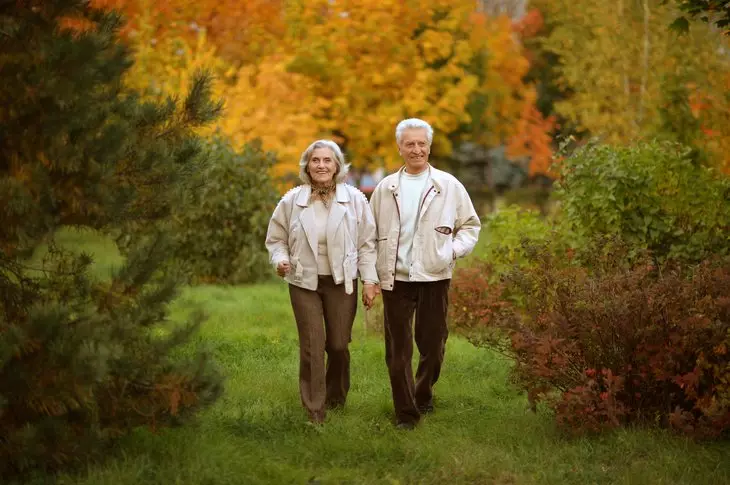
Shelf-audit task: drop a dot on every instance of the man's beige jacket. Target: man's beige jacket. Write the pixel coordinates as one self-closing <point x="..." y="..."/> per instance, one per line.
<point x="292" y="236"/>
<point x="447" y="227"/>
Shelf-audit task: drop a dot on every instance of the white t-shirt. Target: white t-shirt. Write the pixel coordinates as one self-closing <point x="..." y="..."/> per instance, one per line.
<point x="411" y="189"/>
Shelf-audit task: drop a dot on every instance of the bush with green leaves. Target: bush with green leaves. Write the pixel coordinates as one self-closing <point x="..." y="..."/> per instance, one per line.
<point x="651" y="195"/>
<point x="506" y="232"/>
<point x="505" y="238"/>
<point x="222" y="235"/>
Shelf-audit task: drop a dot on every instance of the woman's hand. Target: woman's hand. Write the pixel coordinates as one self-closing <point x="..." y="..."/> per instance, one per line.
<point x="283" y="268"/>
<point x="369" y="292"/>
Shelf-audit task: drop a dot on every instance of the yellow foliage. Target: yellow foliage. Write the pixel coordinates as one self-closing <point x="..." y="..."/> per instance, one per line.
<point x="166" y="66"/>
<point x="615" y="58"/>
<point x="275" y="106"/>
<point x="350" y="70"/>
<point x="362" y="57"/>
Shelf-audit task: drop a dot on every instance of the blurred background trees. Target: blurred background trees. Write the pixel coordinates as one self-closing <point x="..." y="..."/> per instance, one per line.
<point x="500" y="80"/>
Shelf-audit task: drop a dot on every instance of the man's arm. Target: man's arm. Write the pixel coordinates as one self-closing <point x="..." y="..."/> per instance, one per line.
<point x="375" y="206"/>
<point x="466" y="226"/>
<point x="366" y="248"/>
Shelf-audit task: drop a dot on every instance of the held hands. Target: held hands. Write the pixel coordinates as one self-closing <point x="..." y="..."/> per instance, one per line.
<point x="369" y="292"/>
<point x="283" y="268"/>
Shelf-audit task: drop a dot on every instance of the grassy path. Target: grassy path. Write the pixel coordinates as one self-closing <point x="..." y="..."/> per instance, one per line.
<point x="481" y="433"/>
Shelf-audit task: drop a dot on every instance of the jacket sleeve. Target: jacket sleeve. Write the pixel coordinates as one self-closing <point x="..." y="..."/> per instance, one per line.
<point x="467" y="225"/>
<point x="366" y="248"/>
<point x="277" y="236"/>
<point x="375" y="207"/>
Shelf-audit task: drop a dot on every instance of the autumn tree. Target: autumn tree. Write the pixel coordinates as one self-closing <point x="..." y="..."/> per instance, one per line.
<point x="240" y="31"/>
<point x="619" y="67"/>
<point x="85" y="360"/>
<point x="352" y="70"/>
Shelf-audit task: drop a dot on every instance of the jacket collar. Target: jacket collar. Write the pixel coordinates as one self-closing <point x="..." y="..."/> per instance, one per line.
<point x="341" y="194"/>
<point x="434" y="174"/>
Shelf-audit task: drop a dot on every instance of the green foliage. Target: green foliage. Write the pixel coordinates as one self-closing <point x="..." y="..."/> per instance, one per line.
<point x="221" y="235"/>
<point x="83" y="359"/>
<point x="504" y="244"/>
<point x="650" y="195"/>
<point x="506" y="233"/>
<point x="710" y="11"/>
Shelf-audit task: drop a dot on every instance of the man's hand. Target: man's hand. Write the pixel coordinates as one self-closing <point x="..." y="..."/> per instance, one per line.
<point x="369" y="292"/>
<point x="283" y="268"/>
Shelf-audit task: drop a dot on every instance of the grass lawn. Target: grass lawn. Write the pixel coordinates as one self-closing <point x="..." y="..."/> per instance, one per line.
<point x="481" y="432"/>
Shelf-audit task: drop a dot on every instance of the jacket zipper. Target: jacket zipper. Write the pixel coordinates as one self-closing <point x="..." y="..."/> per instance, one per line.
<point x="423" y="201"/>
<point x="397" y="244"/>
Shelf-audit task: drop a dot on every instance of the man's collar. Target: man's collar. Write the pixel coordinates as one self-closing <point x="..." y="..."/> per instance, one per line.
<point x="433" y="175"/>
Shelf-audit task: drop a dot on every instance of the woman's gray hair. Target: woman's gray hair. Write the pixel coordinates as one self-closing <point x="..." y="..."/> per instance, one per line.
<point x="342" y="167"/>
<point x="413" y="123"/>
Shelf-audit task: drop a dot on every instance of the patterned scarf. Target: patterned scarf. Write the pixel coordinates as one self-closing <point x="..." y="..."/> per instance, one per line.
<point x="323" y="192"/>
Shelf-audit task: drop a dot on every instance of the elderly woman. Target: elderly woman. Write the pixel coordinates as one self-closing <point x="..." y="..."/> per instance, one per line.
<point x="321" y="235"/>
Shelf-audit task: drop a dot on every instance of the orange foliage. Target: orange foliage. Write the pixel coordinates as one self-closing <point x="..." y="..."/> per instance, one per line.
<point x="242" y="31"/>
<point x="532" y="138"/>
<point x="712" y="107"/>
<point x="530" y="25"/>
<point x="350" y="70"/>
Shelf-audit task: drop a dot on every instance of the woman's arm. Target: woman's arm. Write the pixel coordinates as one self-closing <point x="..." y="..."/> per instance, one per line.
<point x="277" y="236"/>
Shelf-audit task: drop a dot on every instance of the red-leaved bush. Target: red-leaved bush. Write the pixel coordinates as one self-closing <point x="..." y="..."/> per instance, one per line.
<point x="474" y="300"/>
<point x="610" y="343"/>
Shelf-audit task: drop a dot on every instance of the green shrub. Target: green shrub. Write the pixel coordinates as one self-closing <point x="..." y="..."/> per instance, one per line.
<point x="504" y="242"/>
<point x="651" y="195"/>
<point x="505" y="234"/>
<point x="222" y="236"/>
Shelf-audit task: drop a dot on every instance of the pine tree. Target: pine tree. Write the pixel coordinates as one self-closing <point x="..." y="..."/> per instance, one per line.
<point x="83" y="361"/>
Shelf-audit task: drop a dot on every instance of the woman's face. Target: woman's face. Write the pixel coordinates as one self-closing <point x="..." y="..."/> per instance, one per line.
<point x="322" y="166"/>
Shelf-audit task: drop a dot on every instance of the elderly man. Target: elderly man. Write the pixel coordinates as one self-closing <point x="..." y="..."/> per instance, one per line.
<point x="425" y="220"/>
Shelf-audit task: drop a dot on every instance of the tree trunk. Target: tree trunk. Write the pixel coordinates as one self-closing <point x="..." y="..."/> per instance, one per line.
<point x="624" y="73"/>
<point x="644" y="62"/>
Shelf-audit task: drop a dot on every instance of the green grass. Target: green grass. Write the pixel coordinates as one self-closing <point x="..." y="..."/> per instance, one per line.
<point x="481" y="432"/>
<point x="102" y="250"/>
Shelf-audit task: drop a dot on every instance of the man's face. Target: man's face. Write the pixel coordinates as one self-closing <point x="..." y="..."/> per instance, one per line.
<point x="414" y="149"/>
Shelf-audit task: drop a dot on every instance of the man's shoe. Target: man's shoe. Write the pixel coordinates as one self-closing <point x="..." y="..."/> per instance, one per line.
<point x="333" y="405"/>
<point x="425" y="408"/>
<point x="405" y="425"/>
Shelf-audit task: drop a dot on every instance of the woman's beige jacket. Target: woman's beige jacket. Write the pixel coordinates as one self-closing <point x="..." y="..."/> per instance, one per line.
<point x="292" y="236"/>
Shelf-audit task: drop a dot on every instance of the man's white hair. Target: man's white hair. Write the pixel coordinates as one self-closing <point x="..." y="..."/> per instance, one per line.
<point x="413" y="123"/>
<point x="342" y="167"/>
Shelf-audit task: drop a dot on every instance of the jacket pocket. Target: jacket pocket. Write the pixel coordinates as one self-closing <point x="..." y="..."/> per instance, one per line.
<point x="438" y="254"/>
<point x="381" y="263"/>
